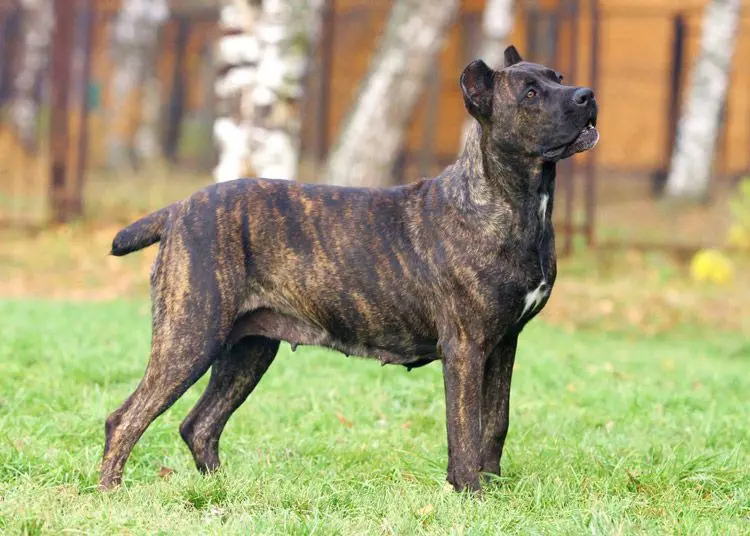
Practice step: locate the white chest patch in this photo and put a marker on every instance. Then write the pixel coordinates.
(533, 299)
(543, 207)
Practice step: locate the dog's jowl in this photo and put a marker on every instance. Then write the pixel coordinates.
(447, 269)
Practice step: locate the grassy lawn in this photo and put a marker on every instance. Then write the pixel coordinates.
(610, 434)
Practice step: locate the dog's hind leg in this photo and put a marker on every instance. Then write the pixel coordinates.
(179, 357)
(176, 363)
(233, 377)
(193, 312)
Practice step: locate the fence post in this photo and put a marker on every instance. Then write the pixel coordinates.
(568, 14)
(177, 97)
(673, 112)
(429, 127)
(62, 48)
(9, 21)
(590, 193)
(82, 78)
(323, 114)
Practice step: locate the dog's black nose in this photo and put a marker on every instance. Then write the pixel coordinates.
(583, 96)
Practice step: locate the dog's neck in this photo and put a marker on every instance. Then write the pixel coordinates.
(487, 177)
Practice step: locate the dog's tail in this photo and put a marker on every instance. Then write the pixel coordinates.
(141, 234)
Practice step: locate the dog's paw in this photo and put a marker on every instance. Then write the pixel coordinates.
(491, 468)
(109, 484)
(465, 481)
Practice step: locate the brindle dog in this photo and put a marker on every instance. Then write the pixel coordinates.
(448, 269)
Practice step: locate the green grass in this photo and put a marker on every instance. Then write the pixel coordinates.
(609, 435)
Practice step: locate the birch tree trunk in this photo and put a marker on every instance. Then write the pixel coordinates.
(237, 58)
(698, 129)
(374, 131)
(497, 23)
(38, 21)
(263, 57)
(135, 38)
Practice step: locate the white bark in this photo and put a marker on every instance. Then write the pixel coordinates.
(264, 56)
(374, 131)
(698, 129)
(38, 21)
(497, 23)
(135, 39)
(236, 56)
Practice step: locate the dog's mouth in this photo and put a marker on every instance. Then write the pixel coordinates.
(586, 140)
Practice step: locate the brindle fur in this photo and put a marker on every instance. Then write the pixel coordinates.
(434, 270)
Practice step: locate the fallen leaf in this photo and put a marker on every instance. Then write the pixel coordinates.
(697, 385)
(165, 472)
(343, 420)
(406, 425)
(633, 477)
(609, 426)
(426, 510)
(571, 388)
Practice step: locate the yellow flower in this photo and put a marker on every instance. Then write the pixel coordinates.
(710, 265)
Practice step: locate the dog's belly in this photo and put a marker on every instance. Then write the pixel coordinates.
(411, 351)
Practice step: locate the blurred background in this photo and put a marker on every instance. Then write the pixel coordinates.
(113, 108)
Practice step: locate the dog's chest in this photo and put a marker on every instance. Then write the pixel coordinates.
(539, 266)
(533, 299)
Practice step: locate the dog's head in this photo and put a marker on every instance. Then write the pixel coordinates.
(525, 109)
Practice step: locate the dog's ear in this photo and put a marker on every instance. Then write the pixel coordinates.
(477, 84)
(512, 56)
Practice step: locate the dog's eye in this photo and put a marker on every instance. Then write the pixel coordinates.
(530, 94)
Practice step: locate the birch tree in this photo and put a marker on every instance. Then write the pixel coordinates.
(497, 23)
(133, 135)
(698, 129)
(262, 57)
(374, 131)
(38, 19)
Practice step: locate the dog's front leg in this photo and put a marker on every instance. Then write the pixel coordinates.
(463, 363)
(496, 402)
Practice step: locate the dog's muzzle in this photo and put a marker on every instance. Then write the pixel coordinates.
(587, 138)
